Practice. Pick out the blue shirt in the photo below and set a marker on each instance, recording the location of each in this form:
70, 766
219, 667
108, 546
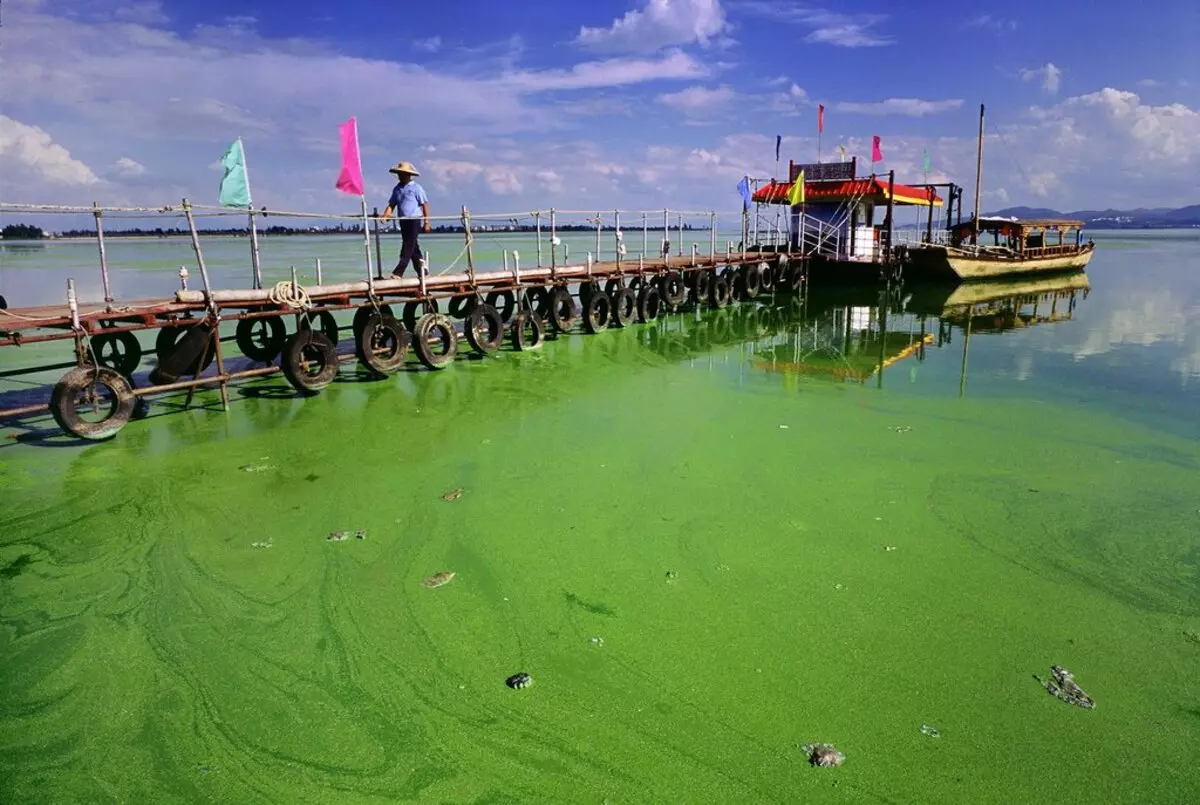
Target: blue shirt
407, 199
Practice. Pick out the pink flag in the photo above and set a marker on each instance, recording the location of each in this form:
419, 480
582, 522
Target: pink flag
350, 180
876, 154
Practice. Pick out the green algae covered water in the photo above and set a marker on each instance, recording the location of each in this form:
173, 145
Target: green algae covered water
709, 541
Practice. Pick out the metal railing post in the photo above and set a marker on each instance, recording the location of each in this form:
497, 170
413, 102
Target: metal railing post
103, 256
537, 223
466, 222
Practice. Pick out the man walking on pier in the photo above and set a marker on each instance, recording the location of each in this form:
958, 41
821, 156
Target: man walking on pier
408, 199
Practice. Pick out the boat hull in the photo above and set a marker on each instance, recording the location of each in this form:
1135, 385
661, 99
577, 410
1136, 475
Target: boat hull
936, 262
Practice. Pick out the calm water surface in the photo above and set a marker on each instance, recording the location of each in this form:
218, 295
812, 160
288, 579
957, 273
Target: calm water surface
853, 553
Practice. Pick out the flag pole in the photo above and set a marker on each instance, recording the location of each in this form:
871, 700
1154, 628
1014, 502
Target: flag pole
254, 257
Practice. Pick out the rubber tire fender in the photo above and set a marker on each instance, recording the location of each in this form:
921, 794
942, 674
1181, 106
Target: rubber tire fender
396, 342
461, 305
426, 326
563, 310
66, 414
649, 304
624, 307
538, 298
766, 278
416, 308
612, 286
597, 313
484, 319
508, 309
673, 290
523, 341
719, 329
127, 353
718, 293
327, 325
751, 281
702, 286
310, 346
270, 339
363, 313
179, 352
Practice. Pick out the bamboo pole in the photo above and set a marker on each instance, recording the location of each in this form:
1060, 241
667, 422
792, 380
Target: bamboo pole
103, 257
378, 246
978, 179
255, 260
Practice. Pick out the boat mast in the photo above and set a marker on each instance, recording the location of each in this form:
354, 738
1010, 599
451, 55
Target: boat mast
978, 174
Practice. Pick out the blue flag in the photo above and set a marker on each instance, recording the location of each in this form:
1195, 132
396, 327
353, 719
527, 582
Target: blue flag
778, 142
744, 189
927, 163
235, 184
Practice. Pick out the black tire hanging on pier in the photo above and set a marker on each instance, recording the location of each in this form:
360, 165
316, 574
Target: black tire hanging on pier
416, 309
509, 307
612, 286
701, 286
461, 305
484, 329
3, 303
624, 307
309, 361
649, 304
182, 351
435, 329
563, 310
597, 313
120, 352
528, 332
673, 291
766, 278
82, 386
261, 339
718, 294
586, 289
365, 312
538, 300
750, 281
383, 344
327, 325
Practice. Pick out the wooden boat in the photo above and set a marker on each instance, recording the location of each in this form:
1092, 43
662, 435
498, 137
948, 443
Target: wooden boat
952, 302
1018, 246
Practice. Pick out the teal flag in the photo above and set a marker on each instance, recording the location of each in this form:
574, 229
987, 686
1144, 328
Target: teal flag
928, 164
235, 185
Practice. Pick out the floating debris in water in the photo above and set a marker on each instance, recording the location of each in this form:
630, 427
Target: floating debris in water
209, 770
889, 547
260, 544
312, 476
1064, 688
598, 641
671, 576
256, 467
784, 427
519, 681
900, 428
453, 494
1193, 635
360, 533
838, 587
823, 755
438, 579
338, 536
930, 731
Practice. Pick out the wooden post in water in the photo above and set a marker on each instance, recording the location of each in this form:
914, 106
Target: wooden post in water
978, 177
103, 257
962, 375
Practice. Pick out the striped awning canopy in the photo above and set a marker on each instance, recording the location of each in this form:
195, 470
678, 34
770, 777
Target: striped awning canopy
871, 189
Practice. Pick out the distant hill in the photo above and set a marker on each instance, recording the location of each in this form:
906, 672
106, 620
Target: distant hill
1114, 219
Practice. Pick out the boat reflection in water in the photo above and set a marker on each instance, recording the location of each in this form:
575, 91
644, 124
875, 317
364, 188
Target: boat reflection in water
855, 334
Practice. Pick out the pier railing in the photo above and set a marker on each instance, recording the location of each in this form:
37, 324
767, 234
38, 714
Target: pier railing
545, 238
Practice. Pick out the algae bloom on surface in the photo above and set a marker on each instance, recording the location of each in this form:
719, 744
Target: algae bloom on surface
438, 579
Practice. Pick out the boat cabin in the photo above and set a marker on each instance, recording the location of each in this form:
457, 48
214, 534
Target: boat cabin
1041, 237
845, 217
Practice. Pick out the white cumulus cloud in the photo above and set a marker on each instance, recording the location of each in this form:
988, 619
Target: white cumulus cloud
33, 149
1048, 74
658, 24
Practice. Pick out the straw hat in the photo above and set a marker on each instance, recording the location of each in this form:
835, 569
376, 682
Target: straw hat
404, 167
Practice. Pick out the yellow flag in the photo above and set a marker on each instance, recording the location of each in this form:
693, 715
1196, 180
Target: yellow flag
796, 194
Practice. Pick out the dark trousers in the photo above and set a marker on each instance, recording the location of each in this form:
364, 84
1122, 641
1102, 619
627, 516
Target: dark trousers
409, 230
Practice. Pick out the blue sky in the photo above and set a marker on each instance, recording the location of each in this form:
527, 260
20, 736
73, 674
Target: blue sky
617, 103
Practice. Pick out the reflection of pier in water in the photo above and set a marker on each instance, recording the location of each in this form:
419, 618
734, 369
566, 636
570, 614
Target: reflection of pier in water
854, 335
